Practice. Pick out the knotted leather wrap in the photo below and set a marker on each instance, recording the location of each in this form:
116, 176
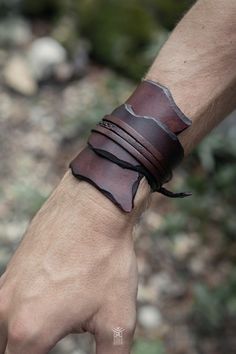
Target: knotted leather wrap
139, 138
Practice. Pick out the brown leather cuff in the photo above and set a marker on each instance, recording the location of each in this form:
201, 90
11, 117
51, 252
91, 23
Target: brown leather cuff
139, 138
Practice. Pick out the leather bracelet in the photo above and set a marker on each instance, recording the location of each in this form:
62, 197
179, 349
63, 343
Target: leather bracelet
139, 138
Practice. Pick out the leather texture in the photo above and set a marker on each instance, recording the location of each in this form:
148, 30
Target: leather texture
154, 100
91, 167
139, 138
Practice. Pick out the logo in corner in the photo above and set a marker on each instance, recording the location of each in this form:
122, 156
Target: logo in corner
118, 335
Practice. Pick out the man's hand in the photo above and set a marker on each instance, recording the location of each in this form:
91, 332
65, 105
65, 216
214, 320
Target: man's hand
74, 271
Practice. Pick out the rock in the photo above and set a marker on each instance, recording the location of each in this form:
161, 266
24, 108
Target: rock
184, 244
18, 76
153, 220
149, 317
76, 67
14, 31
165, 285
147, 293
63, 72
160, 282
44, 55
11, 233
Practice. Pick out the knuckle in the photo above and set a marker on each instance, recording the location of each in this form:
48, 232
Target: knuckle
18, 333
23, 330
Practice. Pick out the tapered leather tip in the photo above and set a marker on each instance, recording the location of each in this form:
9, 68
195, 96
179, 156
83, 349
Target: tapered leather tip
115, 182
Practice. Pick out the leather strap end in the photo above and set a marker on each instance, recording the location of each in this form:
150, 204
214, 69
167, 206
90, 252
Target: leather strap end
116, 183
155, 100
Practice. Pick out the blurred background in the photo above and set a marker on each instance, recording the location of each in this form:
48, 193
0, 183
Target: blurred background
64, 64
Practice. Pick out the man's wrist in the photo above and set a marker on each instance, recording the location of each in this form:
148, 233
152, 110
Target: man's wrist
87, 198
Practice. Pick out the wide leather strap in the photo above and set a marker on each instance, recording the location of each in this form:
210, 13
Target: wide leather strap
108, 177
139, 138
155, 100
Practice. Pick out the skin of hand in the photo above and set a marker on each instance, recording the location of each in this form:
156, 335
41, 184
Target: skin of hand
74, 271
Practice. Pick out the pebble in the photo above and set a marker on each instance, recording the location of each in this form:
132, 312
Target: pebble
17, 76
15, 31
149, 317
44, 55
184, 244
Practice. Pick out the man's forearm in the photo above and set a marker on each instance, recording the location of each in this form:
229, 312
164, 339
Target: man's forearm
198, 65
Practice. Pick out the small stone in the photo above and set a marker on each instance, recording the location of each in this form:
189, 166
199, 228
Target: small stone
164, 285
14, 31
161, 282
18, 76
149, 317
146, 294
153, 220
63, 72
197, 265
184, 244
44, 55
13, 231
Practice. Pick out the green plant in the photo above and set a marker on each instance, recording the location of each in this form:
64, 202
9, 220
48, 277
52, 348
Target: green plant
148, 347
